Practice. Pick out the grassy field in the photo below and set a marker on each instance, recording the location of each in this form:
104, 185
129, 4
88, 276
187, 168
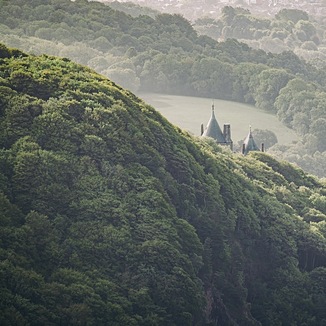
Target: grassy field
189, 113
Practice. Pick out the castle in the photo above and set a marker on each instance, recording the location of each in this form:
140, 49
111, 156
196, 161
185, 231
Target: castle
214, 131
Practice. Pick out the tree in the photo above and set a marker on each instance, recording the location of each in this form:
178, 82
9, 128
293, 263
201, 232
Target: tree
266, 87
243, 73
293, 15
19, 119
308, 28
288, 94
301, 123
267, 137
212, 78
290, 62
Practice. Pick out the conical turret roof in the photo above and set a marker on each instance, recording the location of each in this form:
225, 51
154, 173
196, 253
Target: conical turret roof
249, 144
213, 129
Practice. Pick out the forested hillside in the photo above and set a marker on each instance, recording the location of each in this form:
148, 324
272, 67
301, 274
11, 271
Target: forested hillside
165, 54
112, 216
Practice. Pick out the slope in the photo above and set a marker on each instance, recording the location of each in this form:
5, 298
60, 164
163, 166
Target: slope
111, 215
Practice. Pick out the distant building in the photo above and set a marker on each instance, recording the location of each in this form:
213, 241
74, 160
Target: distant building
249, 144
214, 131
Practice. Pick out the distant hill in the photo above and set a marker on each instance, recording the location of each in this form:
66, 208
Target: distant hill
110, 215
194, 9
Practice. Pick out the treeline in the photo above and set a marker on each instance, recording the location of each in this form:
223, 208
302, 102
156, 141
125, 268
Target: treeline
110, 215
289, 30
165, 54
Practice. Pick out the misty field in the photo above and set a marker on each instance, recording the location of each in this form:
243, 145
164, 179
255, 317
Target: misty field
189, 113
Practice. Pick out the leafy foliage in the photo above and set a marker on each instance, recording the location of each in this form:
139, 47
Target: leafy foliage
110, 215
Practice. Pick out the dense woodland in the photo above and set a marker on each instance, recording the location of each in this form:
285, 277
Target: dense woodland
112, 216
289, 29
164, 54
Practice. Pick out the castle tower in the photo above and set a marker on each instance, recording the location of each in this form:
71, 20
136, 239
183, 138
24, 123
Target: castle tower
214, 131
249, 144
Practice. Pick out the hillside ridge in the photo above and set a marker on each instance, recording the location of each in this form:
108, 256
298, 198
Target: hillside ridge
111, 215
